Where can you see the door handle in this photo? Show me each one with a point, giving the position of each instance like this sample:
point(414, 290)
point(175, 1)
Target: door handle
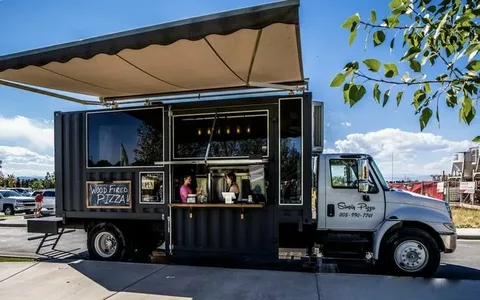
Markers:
point(330, 210)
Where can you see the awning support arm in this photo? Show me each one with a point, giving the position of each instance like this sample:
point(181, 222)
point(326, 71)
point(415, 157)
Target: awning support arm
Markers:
point(277, 86)
point(46, 93)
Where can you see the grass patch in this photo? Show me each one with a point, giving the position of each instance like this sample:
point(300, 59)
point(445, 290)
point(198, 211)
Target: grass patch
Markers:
point(2, 216)
point(15, 259)
point(466, 218)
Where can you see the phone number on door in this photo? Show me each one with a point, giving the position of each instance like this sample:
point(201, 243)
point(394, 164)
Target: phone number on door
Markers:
point(355, 215)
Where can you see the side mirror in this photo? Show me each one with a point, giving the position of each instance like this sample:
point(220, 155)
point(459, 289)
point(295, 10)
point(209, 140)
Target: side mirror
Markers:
point(363, 184)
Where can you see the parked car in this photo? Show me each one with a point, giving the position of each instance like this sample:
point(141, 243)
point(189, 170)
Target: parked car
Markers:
point(48, 200)
point(12, 202)
point(21, 191)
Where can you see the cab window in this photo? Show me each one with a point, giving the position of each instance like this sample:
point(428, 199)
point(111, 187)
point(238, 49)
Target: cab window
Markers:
point(343, 173)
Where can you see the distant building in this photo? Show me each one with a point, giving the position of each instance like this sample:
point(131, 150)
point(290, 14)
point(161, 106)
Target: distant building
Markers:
point(465, 165)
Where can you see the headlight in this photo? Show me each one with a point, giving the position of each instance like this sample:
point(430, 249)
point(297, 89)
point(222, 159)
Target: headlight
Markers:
point(447, 206)
point(16, 202)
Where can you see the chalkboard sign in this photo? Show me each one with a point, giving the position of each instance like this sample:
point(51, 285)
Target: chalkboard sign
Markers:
point(115, 194)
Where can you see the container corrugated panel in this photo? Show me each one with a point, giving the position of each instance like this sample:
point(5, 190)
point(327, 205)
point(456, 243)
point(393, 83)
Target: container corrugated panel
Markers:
point(223, 230)
point(71, 172)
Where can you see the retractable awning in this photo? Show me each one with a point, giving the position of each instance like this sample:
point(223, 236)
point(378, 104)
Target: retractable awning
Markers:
point(244, 48)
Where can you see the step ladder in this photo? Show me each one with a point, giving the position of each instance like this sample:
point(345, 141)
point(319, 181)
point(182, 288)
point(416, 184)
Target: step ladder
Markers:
point(50, 237)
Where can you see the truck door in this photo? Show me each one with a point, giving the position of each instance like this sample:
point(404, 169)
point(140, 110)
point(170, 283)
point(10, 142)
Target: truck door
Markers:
point(346, 207)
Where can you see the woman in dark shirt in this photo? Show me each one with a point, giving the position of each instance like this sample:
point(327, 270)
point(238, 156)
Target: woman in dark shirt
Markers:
point(231, 179)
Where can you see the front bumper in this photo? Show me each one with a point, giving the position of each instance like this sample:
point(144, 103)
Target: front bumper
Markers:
point(449, 242)
point(24, 208)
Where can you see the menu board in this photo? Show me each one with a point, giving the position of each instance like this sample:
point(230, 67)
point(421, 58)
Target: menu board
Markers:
point(116, 194)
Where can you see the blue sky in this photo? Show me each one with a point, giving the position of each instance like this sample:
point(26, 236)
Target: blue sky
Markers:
point(366, 127)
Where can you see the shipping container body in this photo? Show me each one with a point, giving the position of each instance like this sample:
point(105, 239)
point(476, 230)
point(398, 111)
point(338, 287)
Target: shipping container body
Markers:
point(148, 151)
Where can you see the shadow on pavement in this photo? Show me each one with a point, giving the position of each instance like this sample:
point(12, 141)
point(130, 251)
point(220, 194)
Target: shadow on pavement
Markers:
point(457, 272)
point(189, 282)
point(446, 271)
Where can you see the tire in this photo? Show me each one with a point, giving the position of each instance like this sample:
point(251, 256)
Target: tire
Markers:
point(411, 252)
point(107, 242)
point(8, 210)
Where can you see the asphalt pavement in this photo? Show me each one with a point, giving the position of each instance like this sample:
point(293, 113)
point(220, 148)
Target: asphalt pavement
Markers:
point(463, 264)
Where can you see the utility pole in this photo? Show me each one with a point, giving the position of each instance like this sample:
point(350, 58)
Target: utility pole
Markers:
point(392, 166)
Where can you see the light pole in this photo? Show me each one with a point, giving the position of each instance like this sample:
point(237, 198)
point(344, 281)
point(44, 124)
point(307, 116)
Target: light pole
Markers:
point(392, 166)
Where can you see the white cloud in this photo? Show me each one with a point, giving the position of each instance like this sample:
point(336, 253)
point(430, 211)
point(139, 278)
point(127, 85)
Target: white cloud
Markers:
point(27, 132)
point(413, 153)
point(23, 162)
point(26, 146)
point(346, 124)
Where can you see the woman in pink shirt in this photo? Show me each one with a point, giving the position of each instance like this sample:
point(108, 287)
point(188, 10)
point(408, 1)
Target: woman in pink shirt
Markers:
point(185, 189)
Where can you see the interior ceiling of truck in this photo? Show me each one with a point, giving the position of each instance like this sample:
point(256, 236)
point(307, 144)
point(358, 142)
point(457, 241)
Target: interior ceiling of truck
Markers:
point(229, 50)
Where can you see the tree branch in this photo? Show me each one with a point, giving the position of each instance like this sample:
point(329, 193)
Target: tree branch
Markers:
point(408, 83)
point(386, 27)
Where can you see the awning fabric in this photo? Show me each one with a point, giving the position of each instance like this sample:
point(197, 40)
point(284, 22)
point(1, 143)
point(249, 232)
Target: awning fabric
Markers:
point(226, 50)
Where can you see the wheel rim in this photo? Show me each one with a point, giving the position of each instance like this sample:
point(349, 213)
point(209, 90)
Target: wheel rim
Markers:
point(8, 210)
point(411, 256)
point(105, 244)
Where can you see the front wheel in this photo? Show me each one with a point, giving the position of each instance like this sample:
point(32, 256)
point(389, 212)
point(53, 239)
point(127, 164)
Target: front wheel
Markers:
point(8, 210)
point(412, 252)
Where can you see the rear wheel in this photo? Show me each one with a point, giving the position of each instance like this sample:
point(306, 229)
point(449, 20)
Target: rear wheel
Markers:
point(8, 210)
point(107, 242)
point(412, 252)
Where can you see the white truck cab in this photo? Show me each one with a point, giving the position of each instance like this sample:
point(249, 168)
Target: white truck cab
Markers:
point(359, 213)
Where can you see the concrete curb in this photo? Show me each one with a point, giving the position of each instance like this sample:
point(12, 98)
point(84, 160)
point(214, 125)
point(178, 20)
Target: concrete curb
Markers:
point(3, 224)
point(468, 237)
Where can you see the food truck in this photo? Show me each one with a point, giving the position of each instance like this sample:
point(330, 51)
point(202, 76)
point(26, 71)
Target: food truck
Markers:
point(207, 141)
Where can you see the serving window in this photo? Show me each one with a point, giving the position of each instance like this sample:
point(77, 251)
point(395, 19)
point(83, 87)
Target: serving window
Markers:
point(235, 135)
point(125, 138)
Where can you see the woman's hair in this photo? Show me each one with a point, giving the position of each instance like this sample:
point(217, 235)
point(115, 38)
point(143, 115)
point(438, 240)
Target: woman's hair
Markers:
point(186, 176)
point(232, 176)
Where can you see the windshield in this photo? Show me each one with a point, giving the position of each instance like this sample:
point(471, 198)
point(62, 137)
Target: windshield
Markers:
point(10, 194)
point(379, 174)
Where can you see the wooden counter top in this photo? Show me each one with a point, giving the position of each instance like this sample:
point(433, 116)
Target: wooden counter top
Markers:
point(216, 205)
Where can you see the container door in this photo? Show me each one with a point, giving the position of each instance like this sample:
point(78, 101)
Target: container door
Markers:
point(346, 208)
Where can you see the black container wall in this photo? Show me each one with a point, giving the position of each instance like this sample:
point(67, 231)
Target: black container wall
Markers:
point(223, 231)
point(71, 175)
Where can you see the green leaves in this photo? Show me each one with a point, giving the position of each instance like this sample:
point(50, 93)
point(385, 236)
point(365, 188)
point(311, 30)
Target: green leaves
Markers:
point(439, 38)
point(376, 92)
point(426, 87)
point(415, 66)
point(352, 93)
point(391, 70)
point(352, 37)
point(451, 98)
point(474, 65)
point(399, 98)
point(373, 16)
point(372, 64)
point(476, 139)
point(352, 22)
point(467, 112)
point(338, 80)
point(378, 38)
point(418, 97)
point(425, 117)
point(385, 97)
point(411, 53)
point(394, 4)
